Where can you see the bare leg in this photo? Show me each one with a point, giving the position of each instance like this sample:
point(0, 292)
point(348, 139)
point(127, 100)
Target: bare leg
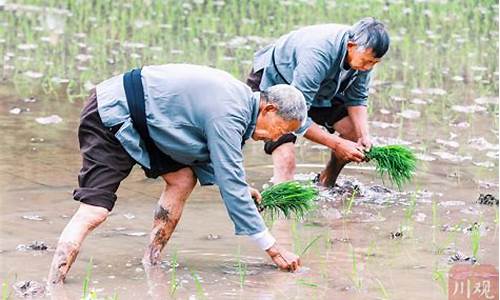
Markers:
point(284, 163)
point(86, 218)
point(178, 186)
point(329, 175)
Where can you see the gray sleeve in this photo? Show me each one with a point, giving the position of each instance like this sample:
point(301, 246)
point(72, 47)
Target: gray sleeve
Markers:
point(357, 93)
point(312, 68)
point(224, 137)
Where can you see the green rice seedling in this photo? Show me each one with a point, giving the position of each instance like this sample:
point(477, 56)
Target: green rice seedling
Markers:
point(289, 198)
point(304, 282)
point(348, 206)
point(355, 278)
point(242, 269)
point(174, 282)
point(310, 244)
point(382, 290)
point(199, 289)
point(5, 291)
point(475, 238)
point(439, 275)
point(86, 280)
point(396, 161)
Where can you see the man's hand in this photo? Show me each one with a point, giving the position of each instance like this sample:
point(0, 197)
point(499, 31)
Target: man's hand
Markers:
point(346, 150)
point(284, 259)
point(365, 142)
point(257, 198)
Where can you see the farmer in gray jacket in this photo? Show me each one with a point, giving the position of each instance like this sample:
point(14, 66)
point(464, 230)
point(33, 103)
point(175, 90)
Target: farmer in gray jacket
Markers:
point(331, 65)
point(183, 123)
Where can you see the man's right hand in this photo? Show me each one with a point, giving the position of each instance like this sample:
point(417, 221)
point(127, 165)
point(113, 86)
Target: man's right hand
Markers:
point(346, 150)
point(284, 259)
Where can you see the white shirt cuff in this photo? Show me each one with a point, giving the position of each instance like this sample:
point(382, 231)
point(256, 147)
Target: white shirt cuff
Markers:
point(263, 239)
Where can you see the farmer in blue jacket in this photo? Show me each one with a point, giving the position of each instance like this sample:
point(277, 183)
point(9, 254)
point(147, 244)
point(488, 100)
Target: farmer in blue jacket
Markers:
point(331, 65)
point(183, 123)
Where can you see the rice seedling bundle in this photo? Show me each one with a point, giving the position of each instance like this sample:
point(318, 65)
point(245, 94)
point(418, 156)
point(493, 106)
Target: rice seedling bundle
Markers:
point(287, 198)
point(396, 161)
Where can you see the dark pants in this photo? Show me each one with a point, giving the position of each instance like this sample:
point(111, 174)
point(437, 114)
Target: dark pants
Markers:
point(324, 116)
point(105, 162)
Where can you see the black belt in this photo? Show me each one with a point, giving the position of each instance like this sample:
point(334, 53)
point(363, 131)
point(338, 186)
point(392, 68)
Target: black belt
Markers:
point(135, 99)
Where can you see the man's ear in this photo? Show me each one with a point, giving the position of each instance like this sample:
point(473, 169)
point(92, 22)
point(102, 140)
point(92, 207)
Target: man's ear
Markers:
point(269, 107)
point(351, 45)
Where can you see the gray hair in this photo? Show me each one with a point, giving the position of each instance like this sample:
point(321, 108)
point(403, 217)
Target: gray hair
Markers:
point(289, 100)
point(369, 33)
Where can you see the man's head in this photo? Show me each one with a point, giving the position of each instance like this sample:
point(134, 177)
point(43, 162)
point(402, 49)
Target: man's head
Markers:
point(282, 110)
point(368, 42)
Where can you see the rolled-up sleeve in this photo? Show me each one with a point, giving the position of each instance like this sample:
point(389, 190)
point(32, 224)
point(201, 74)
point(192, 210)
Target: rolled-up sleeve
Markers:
point(357, 93)
point(224, 137)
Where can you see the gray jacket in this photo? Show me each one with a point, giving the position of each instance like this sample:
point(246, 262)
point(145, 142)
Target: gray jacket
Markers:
point(311, 59)
point(200, 117)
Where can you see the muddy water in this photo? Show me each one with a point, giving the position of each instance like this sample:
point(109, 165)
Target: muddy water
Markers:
point(353, 258)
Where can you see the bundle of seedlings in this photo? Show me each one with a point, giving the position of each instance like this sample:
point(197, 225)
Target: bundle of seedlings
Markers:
point(396, 161)
point(288, 198)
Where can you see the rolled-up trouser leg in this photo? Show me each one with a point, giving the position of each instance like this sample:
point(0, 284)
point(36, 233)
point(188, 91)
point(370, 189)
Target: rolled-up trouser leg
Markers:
point(105, 162)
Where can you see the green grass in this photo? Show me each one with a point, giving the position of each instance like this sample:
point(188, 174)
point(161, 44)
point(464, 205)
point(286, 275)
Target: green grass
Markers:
point(199, 288)
point(5, 291)
point(396, 161)
point(475, 237)
point(289, 198)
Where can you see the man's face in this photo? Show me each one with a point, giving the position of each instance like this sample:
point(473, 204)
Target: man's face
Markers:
point(270, 126)
point(360, 60)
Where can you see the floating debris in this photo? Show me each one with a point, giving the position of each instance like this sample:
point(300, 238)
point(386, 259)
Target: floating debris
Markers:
point(129, 216)
point(52, 119)
point(383, 125)
point(462, 125)
point(35, 246)
point(212, 237)
point(424, 157)
point(397, 235)
point(469, 109)
point(451, 203)
point(33, 218)
point(15, 111)
point(451, 157)
point(451, 144)
point(460, 258)
point(481, 144)
point(33, 75)
point(486, 100)
point(487, 199)
point(138, 233)
point(484, 164)
point(29, 289)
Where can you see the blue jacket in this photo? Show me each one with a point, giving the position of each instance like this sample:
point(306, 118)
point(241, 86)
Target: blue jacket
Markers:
point(311, 59)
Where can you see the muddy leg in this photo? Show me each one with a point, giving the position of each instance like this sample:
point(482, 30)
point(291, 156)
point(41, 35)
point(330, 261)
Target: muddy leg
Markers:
point(284, 163)
point(86, 218)
point(178, 186)
point(329, 175)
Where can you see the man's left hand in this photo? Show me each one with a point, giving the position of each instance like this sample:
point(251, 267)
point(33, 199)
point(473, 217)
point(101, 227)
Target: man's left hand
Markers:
point(365, 142)
point(257, 197)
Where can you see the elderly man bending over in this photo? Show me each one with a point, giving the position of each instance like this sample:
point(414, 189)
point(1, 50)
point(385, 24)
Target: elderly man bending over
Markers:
point(183, 123)
point(331, 65)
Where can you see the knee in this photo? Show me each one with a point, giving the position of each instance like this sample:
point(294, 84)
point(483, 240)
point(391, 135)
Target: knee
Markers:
point(91, 216)
point(346, 129)
point(184, 179)
point(284, 156)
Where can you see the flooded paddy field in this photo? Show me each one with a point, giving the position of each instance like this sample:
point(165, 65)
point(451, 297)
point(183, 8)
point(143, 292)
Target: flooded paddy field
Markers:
point(436, 92)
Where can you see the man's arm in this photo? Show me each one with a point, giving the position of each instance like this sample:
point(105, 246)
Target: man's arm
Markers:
point(343, 149)
point(224, 137)
point(356, 102)
point(359, 117)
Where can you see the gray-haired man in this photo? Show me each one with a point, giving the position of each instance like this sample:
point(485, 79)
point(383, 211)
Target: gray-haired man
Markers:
point(331, 65)
point(183, 123)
